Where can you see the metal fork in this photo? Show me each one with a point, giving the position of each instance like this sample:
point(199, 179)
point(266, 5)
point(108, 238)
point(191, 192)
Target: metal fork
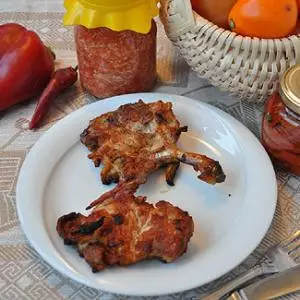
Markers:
point(277, 259)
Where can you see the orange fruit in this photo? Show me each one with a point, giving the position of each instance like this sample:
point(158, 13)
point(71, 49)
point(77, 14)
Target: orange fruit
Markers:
point(215, 11)
point(297, 29)
point(264, 18)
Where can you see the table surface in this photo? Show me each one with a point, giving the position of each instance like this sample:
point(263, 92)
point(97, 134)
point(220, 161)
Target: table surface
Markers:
point(23, 274)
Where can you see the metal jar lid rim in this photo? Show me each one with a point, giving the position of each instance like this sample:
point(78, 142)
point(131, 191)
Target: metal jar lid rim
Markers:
point(290, 88)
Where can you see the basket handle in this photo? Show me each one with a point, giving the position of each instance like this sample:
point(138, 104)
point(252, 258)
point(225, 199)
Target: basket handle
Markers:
point(177, 16)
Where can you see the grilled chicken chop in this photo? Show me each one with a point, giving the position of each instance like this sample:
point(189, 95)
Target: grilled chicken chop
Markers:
point(138, 138)
point(124, 229)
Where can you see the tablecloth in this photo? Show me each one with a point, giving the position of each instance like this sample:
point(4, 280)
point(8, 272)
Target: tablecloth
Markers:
point(23, 273)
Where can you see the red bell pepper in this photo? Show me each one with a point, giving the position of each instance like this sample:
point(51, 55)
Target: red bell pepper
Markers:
point(26, 65)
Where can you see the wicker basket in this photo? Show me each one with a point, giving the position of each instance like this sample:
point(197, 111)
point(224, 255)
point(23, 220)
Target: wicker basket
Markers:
point(248, 68)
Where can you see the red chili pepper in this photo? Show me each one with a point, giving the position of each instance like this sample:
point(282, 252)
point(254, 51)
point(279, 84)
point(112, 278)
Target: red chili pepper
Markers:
point(26, 65)
point(61, 80)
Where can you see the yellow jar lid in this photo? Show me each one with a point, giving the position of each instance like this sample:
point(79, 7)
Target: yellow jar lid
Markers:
point(135, 15)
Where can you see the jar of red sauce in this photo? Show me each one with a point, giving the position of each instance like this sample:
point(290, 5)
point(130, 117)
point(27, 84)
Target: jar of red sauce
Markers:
point(281, 122)
point(115, 44)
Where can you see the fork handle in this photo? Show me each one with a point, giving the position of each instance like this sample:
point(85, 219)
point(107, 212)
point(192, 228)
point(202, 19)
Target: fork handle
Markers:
point(257, 271)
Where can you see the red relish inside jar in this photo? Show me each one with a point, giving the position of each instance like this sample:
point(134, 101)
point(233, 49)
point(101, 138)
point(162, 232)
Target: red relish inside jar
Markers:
point(113, 63)
point(281, 122)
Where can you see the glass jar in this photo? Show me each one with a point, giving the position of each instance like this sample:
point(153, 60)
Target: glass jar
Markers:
point(113, 63)
point(281, 122)
point(115, 44)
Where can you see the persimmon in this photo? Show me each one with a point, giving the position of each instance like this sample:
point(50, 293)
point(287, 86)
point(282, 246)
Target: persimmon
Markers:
point(264, 18)
point(215, 11)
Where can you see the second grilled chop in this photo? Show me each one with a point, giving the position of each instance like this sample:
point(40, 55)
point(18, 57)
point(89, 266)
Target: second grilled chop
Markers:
point(124, 229)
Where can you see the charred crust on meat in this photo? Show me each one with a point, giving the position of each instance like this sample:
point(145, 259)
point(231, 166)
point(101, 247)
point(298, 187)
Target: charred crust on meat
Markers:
point(184, 128)
point(162, 260)
point(70, 242)
point(110, 178)
point(112, 119)
point(178, 224)
point(106, 180)
point(113, 179)
point(118, 219)
point(69, 217)
point(160, 117)
point(114, 244)
point(220, 176)
point(97, 162)
point(171, 173)
point(89, 228)
point(183, 158)
point(170, 182)
point(90, 142)
point(147, 247)
point(147, 117)
point(106, 231)
point(140, 199)
point(213, 174)
point(84, 133)
point(64, 220)
point(181, 129)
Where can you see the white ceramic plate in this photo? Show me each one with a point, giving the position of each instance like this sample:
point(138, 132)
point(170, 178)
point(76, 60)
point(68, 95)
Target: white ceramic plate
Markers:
point(230, 218)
